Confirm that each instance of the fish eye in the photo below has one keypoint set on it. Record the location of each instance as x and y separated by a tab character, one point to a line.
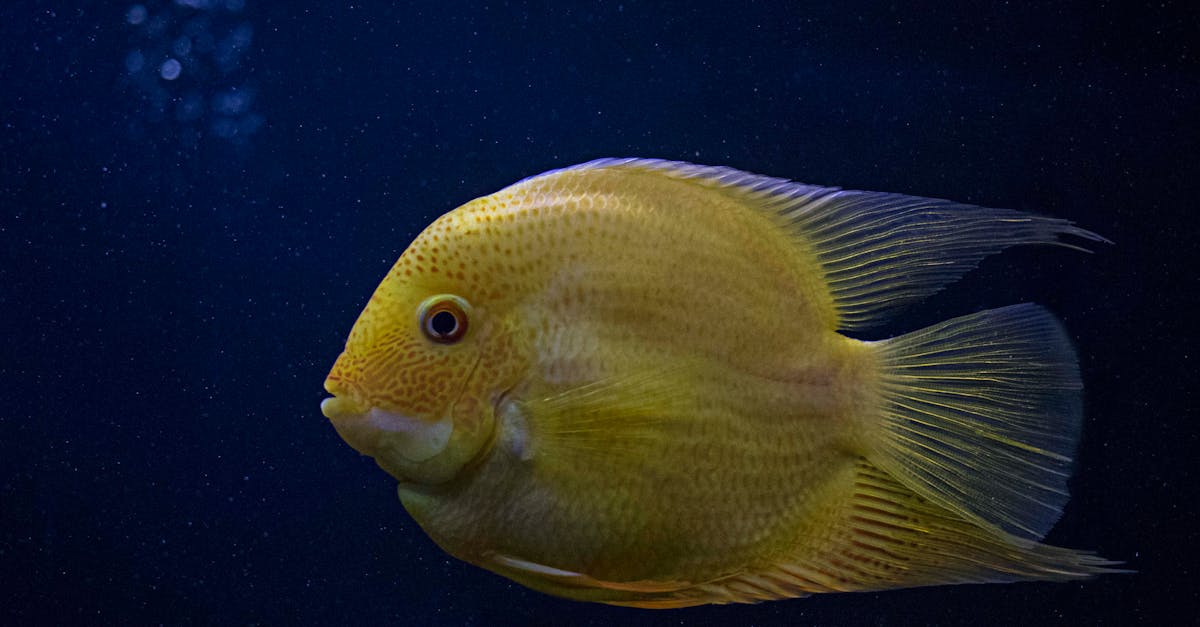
444	318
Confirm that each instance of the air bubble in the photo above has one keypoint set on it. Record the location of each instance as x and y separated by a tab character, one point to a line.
135	61
213	42
170	69
233	102
136	14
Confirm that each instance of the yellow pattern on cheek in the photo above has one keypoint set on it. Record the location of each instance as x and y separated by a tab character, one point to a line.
404	374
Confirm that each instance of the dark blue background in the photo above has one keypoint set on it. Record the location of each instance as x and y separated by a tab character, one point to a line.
175	282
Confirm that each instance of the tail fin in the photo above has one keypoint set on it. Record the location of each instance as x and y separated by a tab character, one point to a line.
982	416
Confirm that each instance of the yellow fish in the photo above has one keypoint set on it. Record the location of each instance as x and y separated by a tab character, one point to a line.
624	382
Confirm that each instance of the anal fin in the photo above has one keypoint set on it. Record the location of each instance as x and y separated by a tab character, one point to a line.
889	537
885	536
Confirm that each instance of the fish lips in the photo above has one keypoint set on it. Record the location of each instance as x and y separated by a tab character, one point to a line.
392	438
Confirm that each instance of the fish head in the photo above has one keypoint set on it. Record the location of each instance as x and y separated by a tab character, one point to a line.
425	365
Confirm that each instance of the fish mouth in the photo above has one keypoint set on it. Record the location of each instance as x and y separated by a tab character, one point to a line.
385	434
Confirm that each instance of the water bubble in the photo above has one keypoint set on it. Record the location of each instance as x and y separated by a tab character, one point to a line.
170	69
232	102
212	41
135	61
230	48
136	14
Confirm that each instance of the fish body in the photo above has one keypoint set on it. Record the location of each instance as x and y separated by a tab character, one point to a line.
625	382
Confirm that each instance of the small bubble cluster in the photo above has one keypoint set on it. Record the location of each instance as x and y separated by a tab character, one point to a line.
187	69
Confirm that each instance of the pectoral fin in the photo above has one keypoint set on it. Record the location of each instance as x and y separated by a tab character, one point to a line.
617	416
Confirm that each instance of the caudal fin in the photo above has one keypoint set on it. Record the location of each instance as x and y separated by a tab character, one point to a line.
981	415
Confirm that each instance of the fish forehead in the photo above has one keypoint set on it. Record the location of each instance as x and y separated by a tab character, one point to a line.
570	218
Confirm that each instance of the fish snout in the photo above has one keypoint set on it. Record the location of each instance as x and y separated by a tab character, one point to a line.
398	442
415	446
374	430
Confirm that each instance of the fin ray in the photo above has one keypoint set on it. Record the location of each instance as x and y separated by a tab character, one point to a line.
617	416
982	415
888	537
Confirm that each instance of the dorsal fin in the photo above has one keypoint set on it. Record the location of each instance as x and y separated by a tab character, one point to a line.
879	251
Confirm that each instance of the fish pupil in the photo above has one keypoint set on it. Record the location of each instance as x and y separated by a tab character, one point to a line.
443	323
